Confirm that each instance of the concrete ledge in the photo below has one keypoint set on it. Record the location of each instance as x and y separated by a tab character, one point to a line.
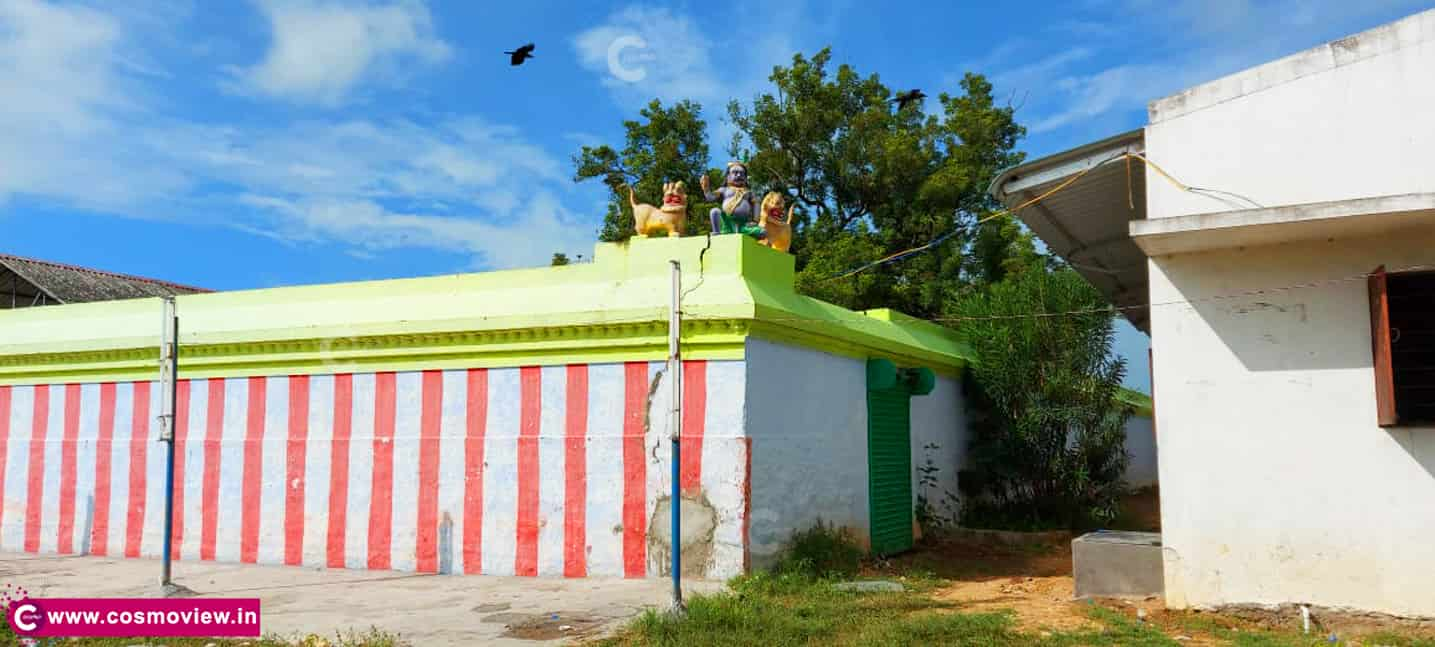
1268	226
1109	564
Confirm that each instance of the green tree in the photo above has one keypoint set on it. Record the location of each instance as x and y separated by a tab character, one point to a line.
665	145
871	180
559	258
1048	429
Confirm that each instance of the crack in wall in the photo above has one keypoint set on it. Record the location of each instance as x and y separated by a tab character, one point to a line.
648	408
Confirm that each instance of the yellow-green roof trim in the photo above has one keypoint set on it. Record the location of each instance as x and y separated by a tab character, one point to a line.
1140	402
613	309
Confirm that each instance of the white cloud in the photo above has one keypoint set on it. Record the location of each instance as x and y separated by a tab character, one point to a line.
1165	47
704	60
1117	87
674	61
526	236
65	89
321	50
82	132
1041	70
707	59
464	186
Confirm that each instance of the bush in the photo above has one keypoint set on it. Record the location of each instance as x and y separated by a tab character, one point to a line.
1048	430
820	552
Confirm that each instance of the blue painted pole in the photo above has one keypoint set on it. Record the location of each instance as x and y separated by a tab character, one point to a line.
169	381
675	370
168	509
677	528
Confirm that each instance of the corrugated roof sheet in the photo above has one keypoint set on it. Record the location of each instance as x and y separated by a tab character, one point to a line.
1087	221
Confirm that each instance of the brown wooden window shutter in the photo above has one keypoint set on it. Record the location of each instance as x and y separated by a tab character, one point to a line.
1380	348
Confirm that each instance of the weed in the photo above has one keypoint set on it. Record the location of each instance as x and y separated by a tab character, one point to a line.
820	552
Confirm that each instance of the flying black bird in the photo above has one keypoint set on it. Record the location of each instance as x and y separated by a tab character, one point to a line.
518	56
907	98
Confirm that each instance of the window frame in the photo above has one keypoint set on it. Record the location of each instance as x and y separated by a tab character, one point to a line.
1382	343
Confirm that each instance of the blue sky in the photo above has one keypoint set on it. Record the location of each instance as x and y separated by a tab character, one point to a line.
241	144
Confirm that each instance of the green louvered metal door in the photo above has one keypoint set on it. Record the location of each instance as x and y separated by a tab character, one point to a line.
889	469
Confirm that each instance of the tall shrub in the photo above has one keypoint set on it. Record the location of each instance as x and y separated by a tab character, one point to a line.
1047	447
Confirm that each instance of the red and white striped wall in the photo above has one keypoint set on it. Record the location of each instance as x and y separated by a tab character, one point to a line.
514	471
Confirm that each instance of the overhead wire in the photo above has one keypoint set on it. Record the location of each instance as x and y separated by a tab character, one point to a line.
1128	156
1114	309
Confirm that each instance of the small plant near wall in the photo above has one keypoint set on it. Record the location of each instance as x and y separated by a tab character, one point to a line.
930	497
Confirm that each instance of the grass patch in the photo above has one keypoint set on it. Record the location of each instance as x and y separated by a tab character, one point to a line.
819	615
796	603
775	611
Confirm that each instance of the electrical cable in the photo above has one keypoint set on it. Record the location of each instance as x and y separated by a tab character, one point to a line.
1209	193
1113	309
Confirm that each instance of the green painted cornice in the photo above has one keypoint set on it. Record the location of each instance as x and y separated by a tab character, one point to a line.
611	310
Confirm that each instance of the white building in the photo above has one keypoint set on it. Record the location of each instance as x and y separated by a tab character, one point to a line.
1294	379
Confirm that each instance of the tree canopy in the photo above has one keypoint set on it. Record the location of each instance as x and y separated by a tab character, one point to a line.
666	145
872	179
868	180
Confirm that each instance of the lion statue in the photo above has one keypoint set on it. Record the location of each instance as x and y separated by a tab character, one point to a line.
672	217
777	224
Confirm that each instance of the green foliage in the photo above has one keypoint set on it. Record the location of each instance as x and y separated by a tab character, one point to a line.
870	180
822	551
559	258
1047	447
666	145
817	614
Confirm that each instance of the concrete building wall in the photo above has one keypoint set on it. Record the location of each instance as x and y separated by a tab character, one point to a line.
518	471
807	419
939	438
1141	447
1345	120
1277	485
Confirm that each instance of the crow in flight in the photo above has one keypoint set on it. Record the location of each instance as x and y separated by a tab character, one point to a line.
518	56
906	98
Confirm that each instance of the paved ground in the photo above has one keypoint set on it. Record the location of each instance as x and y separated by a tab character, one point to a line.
423	609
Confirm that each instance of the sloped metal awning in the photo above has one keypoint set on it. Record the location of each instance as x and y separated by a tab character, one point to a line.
1087	221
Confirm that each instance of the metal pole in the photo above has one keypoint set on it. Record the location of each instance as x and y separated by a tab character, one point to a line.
675	369
169	383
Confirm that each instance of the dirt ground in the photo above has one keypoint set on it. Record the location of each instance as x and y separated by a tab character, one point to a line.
1042	599
1032	579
